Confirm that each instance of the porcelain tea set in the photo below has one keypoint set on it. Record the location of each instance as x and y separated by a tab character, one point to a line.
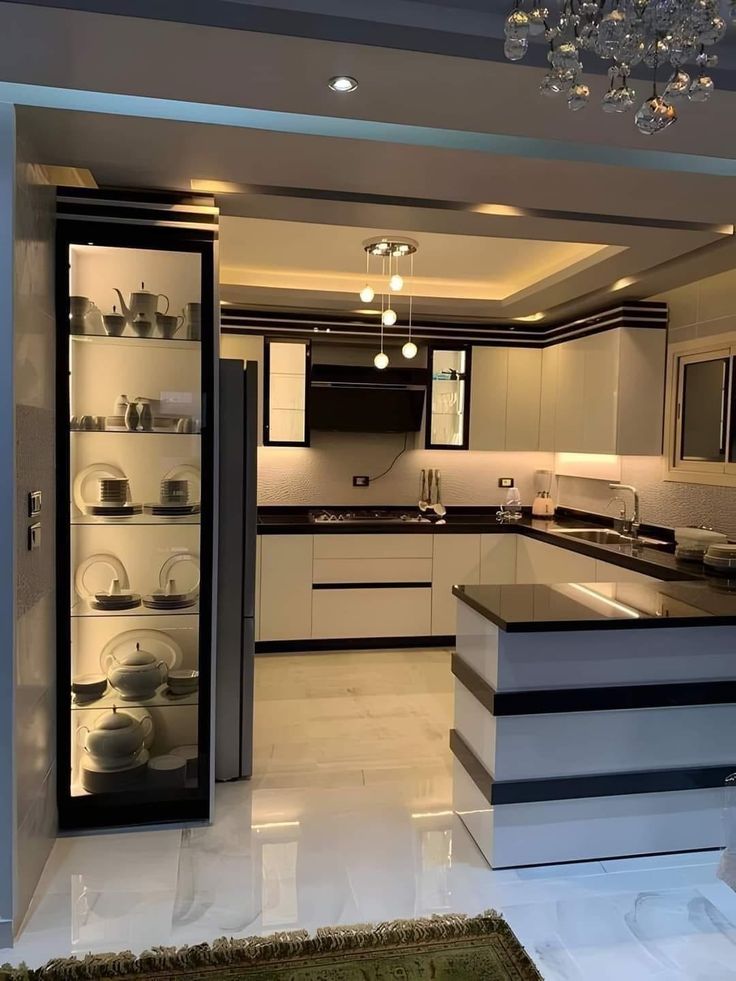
140	312
136	676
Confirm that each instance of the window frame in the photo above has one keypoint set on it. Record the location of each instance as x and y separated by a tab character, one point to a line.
679	355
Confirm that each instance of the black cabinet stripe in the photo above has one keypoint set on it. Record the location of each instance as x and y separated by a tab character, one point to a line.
611	698
579	787
372	585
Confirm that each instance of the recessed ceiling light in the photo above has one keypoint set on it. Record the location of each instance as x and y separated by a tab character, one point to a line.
343	83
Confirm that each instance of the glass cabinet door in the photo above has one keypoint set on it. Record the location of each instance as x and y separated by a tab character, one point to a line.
448	406
286	421
139	537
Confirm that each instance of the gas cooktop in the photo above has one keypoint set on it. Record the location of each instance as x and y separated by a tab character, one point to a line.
377	516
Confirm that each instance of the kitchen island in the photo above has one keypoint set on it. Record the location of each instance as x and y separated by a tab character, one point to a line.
593	720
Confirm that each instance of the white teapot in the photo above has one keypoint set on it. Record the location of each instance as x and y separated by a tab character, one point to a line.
137	675
141	304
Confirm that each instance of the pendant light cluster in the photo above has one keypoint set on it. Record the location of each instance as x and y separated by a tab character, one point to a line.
391	253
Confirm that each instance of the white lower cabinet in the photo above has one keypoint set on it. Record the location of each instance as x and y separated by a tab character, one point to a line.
498	559
399	585
371	612
538	562
286	587
456	560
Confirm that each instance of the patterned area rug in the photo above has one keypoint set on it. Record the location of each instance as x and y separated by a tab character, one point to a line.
442	948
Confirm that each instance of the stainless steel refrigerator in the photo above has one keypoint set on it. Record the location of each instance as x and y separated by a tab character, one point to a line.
238	461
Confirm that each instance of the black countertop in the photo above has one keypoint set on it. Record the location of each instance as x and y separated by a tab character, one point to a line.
594	606
656	562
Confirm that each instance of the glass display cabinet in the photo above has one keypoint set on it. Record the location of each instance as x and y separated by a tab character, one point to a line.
448	422
136	352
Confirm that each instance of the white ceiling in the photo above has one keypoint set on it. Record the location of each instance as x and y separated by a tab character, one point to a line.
330	258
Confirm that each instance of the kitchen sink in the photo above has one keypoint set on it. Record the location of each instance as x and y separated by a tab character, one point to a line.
599	536
606	536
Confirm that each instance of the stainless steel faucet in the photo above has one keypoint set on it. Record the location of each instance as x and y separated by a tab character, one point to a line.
629	526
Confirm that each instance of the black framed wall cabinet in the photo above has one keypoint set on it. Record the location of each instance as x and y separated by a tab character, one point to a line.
136	447
447	424
286	374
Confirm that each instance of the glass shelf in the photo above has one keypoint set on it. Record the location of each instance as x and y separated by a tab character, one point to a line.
114	698
83	609
89	520
129	432
178	343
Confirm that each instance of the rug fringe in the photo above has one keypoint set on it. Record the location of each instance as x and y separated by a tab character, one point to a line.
260	950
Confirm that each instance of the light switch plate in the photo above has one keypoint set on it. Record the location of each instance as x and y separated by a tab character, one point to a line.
34	536
34	503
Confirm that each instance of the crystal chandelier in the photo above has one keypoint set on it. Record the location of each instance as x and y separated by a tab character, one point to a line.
390	251
664	35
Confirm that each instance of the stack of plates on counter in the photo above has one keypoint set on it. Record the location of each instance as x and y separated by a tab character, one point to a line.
692	543
721	559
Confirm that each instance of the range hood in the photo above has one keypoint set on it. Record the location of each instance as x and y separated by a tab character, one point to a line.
357	399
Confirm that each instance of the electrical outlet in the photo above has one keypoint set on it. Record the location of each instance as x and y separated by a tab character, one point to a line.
505	481
361	481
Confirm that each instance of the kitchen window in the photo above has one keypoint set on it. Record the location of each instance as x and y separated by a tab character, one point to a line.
702	411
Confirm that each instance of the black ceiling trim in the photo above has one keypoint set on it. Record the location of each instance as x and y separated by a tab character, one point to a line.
651	314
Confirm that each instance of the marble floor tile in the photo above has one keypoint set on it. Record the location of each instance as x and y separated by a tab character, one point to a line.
348	818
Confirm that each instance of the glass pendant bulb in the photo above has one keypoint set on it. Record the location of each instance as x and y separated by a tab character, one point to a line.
388	317
409	350
367	294
396	283
381	360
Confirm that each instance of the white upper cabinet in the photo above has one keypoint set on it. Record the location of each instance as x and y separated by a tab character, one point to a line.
505	398
604	393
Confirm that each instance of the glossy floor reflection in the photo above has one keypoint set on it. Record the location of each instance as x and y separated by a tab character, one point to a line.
348	819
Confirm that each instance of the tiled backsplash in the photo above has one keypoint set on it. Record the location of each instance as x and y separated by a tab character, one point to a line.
663	502
322	474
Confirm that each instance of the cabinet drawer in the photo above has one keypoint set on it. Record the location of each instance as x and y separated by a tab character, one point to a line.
372	570
373	546
372	612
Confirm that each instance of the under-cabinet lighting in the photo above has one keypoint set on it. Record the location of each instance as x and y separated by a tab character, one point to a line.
432	814
619	607
270	825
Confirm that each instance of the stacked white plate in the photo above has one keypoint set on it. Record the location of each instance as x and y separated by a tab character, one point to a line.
721	559
692	543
